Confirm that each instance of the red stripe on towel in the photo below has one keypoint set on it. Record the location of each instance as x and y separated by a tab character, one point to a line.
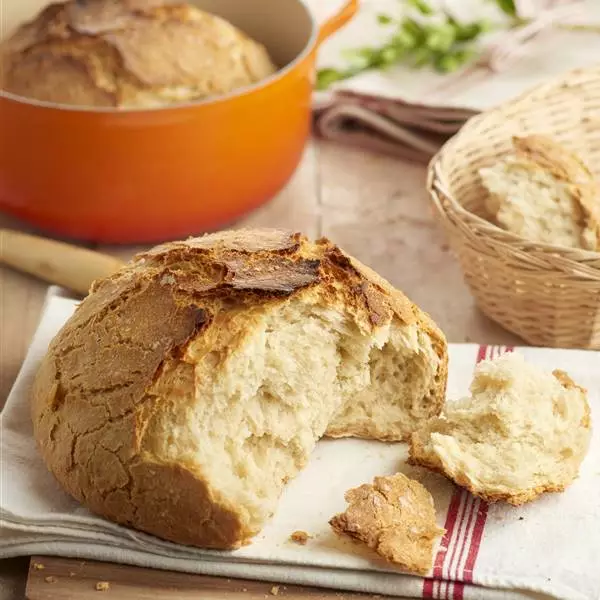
448	544
442	552
467	575
458	588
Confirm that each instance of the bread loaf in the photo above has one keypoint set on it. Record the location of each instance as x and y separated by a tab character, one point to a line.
544	193
521	433
189	387
129	54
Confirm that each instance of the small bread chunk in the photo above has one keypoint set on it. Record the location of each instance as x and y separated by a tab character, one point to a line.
102	586
544	193
522	432
395	517
300	537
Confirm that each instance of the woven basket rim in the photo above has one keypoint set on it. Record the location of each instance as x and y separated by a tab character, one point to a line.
437	184
573	270
510	238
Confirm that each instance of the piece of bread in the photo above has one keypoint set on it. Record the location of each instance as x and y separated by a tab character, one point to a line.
300	537
129	54
395	517
544	193
522	432
189	387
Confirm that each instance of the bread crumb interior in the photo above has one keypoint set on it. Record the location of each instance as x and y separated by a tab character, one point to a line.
263	400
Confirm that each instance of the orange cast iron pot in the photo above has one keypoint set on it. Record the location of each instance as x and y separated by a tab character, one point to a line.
128	176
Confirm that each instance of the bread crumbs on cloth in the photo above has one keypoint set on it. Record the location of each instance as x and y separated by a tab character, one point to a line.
300	537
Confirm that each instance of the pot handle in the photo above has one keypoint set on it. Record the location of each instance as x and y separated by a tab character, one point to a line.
338	20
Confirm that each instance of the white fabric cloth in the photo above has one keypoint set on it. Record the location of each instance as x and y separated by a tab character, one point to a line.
547	549
411	112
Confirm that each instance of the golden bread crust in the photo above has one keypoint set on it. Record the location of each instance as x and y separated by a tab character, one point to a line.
129	53
104	379
395	516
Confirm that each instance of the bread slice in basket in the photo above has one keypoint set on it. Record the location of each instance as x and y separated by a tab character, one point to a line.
521	433
189	387
544	193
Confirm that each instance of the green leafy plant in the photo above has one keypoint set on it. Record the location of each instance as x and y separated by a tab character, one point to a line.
508	7
421	38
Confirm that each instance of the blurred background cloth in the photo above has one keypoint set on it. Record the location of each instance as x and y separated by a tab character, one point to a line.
409	112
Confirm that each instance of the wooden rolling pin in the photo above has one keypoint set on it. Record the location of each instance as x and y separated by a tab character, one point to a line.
62	264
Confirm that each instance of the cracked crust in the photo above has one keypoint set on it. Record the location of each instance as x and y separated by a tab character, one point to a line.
395	517
103	382
129	53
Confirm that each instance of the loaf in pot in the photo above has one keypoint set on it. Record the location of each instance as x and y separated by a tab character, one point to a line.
189	387
129	54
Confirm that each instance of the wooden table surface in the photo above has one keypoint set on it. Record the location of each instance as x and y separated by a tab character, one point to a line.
374	206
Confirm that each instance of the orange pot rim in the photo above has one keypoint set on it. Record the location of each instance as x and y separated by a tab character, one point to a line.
317	36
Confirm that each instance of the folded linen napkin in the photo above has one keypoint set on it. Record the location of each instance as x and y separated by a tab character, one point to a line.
547	549
411	113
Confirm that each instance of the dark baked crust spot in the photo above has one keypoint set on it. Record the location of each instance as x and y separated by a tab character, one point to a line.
271	275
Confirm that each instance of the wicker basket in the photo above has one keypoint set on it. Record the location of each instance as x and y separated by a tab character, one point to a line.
548	295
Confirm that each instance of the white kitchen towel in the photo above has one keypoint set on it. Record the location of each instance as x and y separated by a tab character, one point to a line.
546	549
411	112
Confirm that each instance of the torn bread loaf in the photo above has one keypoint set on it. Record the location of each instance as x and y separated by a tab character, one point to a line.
544	193
521	433
129	54
395	517
189	387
